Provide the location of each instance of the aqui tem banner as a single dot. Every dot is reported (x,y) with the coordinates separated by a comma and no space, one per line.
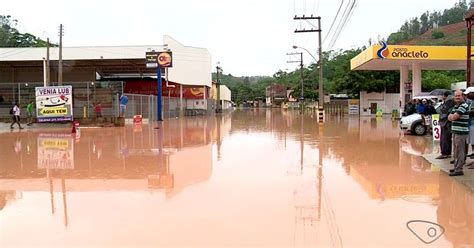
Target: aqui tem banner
(54,104)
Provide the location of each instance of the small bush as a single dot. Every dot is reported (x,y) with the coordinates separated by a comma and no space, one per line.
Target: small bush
(437,34)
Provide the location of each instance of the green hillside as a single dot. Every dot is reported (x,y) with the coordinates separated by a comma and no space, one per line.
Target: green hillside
(445,27)
(449,35)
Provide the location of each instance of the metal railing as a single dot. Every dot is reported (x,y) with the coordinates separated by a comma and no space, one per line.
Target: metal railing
(146,105)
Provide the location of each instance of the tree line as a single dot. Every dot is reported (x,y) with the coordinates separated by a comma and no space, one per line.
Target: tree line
(11,37)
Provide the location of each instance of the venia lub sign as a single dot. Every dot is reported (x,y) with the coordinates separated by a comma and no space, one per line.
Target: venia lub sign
(54,104)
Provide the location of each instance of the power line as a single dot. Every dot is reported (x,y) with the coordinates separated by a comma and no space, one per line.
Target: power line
(339,25)
(351,11)
(333,21)
(344,23)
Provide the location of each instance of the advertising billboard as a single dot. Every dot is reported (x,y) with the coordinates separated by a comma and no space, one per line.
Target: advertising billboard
(54,104)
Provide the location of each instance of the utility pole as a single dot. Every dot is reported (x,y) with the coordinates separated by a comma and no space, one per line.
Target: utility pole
(218,86)
(48,78)
(301,74)
(312,30)
(60,65)
(321,83)
(469,22)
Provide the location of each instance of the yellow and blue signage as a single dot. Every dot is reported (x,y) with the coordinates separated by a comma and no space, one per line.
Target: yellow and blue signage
(54,104)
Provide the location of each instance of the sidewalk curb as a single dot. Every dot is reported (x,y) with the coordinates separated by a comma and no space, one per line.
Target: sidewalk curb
(444,165)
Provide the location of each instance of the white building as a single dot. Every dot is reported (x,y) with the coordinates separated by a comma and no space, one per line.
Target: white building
(190,78)
(370,102)
(226,95)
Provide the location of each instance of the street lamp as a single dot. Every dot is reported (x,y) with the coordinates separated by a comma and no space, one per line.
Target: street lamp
(296,47)
(321,92)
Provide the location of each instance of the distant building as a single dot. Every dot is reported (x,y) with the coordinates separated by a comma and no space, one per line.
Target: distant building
(371,101)
(275,94)
(225,96)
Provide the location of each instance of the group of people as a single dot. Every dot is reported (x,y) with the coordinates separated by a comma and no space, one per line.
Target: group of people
(15,112)
(457,129)
(424,107)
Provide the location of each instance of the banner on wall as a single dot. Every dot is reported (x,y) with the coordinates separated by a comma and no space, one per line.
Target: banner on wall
(54,104)
(353,106)
(150,88)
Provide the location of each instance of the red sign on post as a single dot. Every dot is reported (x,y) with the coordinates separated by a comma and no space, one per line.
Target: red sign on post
(75,126)
(137,119)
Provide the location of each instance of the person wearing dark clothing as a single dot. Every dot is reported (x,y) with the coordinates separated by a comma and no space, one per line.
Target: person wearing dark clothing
(420,108)
(429,109)
(407,107)
(410,108)
(446,135)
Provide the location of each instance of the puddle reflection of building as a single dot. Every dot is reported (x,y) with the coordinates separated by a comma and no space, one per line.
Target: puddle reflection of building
(456,212)
(384,173)
(112,159)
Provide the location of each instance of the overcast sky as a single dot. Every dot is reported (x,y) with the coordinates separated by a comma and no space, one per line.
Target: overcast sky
(248,37)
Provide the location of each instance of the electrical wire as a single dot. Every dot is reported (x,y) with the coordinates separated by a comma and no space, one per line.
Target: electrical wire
(333,21)
(339,25)
(344,23)
(351,12)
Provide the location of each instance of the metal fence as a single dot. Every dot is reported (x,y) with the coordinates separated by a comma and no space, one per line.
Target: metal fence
(85,96)
(146,105)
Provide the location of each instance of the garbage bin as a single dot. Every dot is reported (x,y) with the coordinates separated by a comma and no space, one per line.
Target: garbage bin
(395,114)
(379,112)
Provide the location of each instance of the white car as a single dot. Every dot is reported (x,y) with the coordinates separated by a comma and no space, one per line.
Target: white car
(415,123)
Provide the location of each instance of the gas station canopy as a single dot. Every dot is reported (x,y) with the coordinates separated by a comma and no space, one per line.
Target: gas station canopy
(410,58)
(392,57)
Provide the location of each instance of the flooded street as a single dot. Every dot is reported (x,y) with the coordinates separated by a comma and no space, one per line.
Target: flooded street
(256,178)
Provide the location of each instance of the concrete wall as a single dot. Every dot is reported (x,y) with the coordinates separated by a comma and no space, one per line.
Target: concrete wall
(225,93)
(196,104)
(226,97)
(191,65)
(386,101)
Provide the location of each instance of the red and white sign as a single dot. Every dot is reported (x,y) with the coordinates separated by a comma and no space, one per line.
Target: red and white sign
(137,119)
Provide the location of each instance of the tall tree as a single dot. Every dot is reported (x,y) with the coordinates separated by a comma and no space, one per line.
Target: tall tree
(11,37)
(424,20)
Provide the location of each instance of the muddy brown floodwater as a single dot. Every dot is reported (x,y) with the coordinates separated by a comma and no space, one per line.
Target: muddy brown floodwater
(248,179)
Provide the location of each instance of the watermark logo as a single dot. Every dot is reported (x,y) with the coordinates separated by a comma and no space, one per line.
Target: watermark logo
(383,52)
(426,231)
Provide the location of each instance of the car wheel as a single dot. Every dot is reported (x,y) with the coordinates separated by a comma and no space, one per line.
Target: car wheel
(419,129)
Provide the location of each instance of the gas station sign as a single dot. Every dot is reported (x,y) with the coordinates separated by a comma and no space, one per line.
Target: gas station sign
(161,59)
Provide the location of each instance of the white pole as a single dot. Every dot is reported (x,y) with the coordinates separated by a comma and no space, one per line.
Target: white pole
(45,75)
